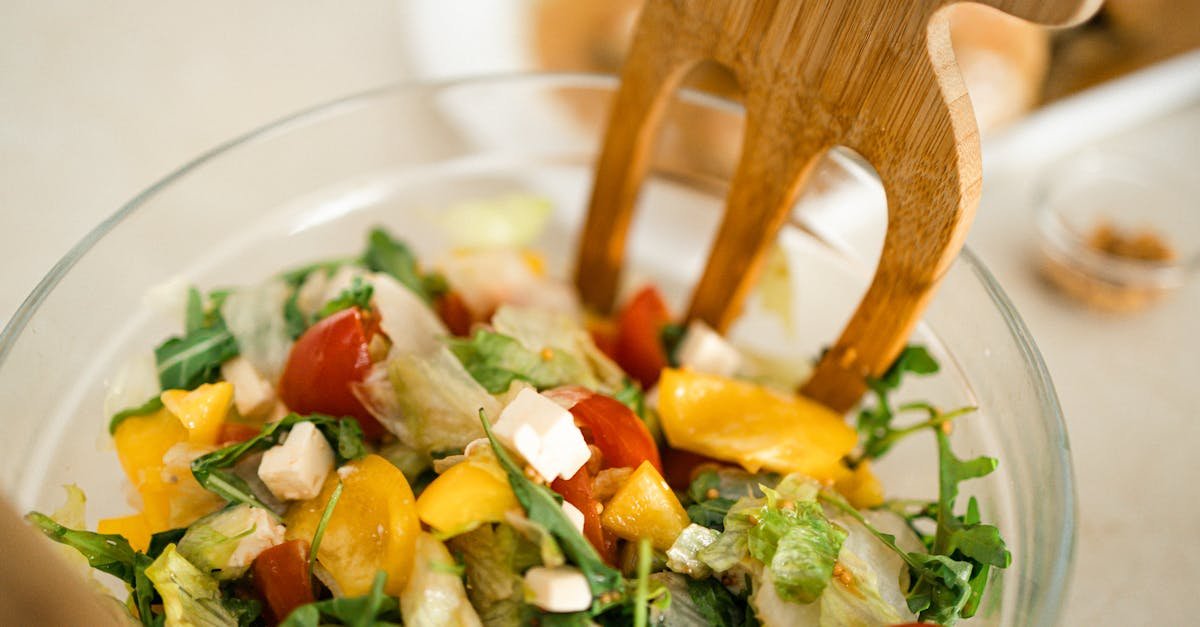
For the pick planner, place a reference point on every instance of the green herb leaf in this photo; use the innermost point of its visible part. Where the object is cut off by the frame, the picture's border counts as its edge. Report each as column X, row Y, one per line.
column 671, row 336
column 496, row 360
column 109, row 553
column 187, row 362
column 375, row 608
column 875, row 423
column 357, row 295
column 145, row 409
column 718, row 605
column 343, row 434
column 391, row 256
column 160, row 540
column 321, row 524
column 543, row 507
column 246, row 611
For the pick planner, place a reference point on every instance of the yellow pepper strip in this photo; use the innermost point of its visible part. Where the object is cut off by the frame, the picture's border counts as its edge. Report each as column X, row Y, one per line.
column 202, row 410
column 468, row 494
column 134, row 527
column 141, row 443
column 752, row 425
column 373, row 527
column 861, row 487
column 645, row 507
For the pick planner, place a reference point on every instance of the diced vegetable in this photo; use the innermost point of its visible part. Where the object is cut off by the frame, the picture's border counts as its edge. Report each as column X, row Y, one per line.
column 577, row 491
column 281, row 577
column 134, row 527
column 434, row 595
column 225, row 543
column 622, row 438
column 202, row 411
column 645, row 507
column 373, row 527
column 861, row 487
column 682, row 556
column 325, row 362
column 189, row 596
column 468, row 494
column 639, row 348
column 752, row 425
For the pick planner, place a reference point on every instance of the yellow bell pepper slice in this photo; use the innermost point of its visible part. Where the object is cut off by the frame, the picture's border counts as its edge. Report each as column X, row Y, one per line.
column 202, row 410
column 645, row 507
column 141, row 443
column 373, row 527
column 468, row 494
column 752, row 425
column 134, row 527
column 860, row 487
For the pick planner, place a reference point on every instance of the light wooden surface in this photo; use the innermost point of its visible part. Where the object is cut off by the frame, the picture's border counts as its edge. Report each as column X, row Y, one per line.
column 877, row 76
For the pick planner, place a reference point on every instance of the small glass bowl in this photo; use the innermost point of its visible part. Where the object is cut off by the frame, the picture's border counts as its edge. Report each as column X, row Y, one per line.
column 1098, row 196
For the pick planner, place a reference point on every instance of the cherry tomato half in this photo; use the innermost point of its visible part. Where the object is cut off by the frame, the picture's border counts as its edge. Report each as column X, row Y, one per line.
column 330, row 356
column 281, row 577
column 578, row 492
column 639, row 349
column 452, row 309
column 619, row 434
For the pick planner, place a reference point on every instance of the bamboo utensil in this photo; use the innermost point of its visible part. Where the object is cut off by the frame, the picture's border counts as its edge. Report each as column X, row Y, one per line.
column 877, row 76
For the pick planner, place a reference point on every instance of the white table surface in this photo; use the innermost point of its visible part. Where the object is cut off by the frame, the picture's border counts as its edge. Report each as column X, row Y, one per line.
column 97, row 102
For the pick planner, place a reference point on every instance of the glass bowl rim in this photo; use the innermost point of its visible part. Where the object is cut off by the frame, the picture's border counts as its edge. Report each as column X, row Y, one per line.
column 1044, row 387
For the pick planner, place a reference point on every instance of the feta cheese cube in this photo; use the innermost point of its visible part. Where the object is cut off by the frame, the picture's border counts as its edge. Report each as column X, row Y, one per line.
column 573, row 515
column 704, row 350
column 544, row 434
column 558, row 589
column 253, row 395
column 266, row 534
column 297, row 468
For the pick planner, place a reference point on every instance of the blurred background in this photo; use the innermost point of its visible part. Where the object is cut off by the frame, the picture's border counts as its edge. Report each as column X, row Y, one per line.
column 1089, row 216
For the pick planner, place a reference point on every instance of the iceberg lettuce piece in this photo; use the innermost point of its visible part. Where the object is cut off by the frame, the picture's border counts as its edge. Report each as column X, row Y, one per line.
column 189, row 596
column 438, row 402
column 434, row 595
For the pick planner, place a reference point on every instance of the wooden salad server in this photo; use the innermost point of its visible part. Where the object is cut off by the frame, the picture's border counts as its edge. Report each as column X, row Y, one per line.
column 877, row 76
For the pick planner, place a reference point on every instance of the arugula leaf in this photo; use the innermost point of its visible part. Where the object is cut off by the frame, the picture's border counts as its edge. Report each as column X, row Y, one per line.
column 321, row 524
column 160, row 540
column 671, row 336
column 145, row 409
column 496, row 360
column 544, row 507
column 718, row 605
column 108, row 553
column 246, row 611
column 875, row 423
column 196, row 358
column 391, row 256
column 293, row 318
column 343, row 434
column 357, row 295
column 373, row 608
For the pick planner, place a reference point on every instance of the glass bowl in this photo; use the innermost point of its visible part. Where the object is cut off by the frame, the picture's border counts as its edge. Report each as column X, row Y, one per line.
column 308, row 187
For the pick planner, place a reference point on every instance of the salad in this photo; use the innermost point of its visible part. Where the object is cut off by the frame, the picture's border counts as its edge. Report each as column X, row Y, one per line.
column 375, row 440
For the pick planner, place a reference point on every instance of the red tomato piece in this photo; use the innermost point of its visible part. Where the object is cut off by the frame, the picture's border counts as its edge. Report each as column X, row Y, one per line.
column 452, row 309
column 639, row 349
column 578, row 492
column 681, row 467
column 234, row 432
column 604, row 335
column 281, row 577
column 619, row 434
column 332, row 355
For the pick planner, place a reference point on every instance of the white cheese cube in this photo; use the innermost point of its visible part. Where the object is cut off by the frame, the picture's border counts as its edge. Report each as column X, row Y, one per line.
column 296, row 469
column 266, row 534
column 573, row 515
column 253, row 395
column 704, row 350
column 558, row 589
column 544, row 434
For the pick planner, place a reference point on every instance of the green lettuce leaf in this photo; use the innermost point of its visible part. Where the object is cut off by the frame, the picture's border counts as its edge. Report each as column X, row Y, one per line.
column 434, row 595
column 189, row 596
column 496, row 360
column 798, row 544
